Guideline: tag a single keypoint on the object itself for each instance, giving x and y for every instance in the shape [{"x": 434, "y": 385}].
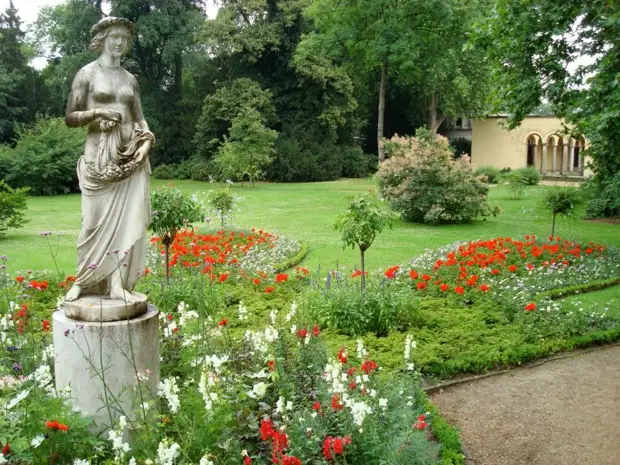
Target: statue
[{"x": 113, "y": 172}]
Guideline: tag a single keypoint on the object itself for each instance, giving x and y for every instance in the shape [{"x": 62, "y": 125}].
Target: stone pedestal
[{"x": 90, "y": 355}]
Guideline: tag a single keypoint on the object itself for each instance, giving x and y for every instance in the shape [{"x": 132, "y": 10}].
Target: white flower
[
  {"x": 258, "y": 391},
  {"x": 289, "y": 405},
  {"x": 383, "y": 403},
  {"x": 271, "y": 334},
  {"x": 409, "y": 344},
  {"x": 205, "y": 460},
  {"x": 81, "y": 462},
  {"x": 167, "y": 453},
  {"x": 37, "y": 440},
  {"x": 361, "y": 352},
  {"x": 132, "y": 461},
  {"x": 272, "y": 316},
  {"x": 17, "y": 399},
  {"x": 291, "y": 314},
  {"x": 170, "y": 391},
  {"x": 280, "y": 405},
  {"x": 359, "y": 410},
  {"x": 243, "y": 312}
]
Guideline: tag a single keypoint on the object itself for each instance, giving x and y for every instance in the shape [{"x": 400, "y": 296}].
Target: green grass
[
  {"x": 305, "y": 211},
  {"x": 599, "y": 300}
]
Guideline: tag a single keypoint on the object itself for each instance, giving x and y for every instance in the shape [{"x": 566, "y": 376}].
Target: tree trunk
[
  {"x": 434, "y": 119},
  {"x": 553, "y": 226},
  {"x": 167, "y": 260},
  {"x": 381, "y": 115},
  {"x": 363, "y": 280}
]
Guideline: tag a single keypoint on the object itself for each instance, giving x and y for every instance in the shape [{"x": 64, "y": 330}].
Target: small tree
[
  {"x": 172, "y": 210},
  {"x": 360, "y": 224},
  {"x": 12, "y": 207},
  {"x": 222, "y": 202},
  {"x": 517, "y": 184},
  {"x": 249, "y": 148},
  {"x": 561, "y": 201}
]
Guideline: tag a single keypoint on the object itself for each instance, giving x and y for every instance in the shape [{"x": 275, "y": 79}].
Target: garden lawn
[{"x": 306, "y": 212}]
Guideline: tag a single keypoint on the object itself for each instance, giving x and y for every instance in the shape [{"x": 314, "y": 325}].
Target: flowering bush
[
  {"x": 424, "y": 183},
  {"x": 271, "y": 394}
]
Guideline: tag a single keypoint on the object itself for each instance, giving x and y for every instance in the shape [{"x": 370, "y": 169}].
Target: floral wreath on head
[{"x": 110, "y": 21}]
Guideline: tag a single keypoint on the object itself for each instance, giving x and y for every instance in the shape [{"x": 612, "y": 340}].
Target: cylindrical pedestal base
[{"x": 101, "y": 362}]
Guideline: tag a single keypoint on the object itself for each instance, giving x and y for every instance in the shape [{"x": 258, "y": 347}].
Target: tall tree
[
  {"x": 568, "y": 54},
  {"x": 378, "y": 33},
  {"x": 14, "y": 74}
]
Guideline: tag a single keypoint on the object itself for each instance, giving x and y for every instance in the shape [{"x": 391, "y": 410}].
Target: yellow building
[{"x": 537, "y": 142}]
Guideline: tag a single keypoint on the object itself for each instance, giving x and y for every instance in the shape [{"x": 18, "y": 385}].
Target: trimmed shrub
[
  {"x": 424, "y": 183},
  {"x": 356, "y": 163},
  {"x": 606, "y": 204},
  {"x": 44, "y": 158},
  {"x": 561, "y": 201},
  {"x": 165, "y": 172},
  {"x": 517, "y": 184},
  {"x": 488, "y": 174},
  {"x": 529, "y": 176}
]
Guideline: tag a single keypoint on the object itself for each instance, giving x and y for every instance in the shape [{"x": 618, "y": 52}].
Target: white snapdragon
[
  {"x": 115, "y": 436},
  {"x": 361, "y": 351},
  {"x": 289, "y": 316},
  {"x": 243, "y": 312},
  {"x": 272, "y": 316},
  {"x": 170, "y": 391},
  {"x": 359, "y": 410},
  {"x": 205, "y": 460},
  {"x": 383, "y": 403},
  {"x": 81, "y": 462},
  {"x": 17, "y": 399},
  {"x": 409, "y": 344},
  {"x": 271, "y": 334},
  {"x": 258, "y": 391},
  {"x": 167, "y": 453},
  {"x": 37, "y": 440}
]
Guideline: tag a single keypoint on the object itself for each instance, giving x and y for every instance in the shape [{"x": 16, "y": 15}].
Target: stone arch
[{"x": 533, "y": 151}]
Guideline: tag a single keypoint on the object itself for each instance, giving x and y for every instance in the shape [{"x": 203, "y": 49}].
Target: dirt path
[{"x": 565, "y": 412}]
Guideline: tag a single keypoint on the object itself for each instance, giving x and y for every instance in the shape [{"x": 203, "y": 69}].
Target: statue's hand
[
  {"x": 109, "y": 115},
  {"x": 142, "y": 152}
]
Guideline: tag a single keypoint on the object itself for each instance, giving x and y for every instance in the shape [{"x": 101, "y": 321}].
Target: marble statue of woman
[{"x": 113, "y": 171}]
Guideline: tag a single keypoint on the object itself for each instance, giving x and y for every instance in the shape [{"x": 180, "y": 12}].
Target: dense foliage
[
  {"x": 424, "y": 183},
  {"x": 13, "y": 207},
  {"x": 561, "y": 201},
  {"x": 488, "y": 174},
  {"x": 44, "y": 158}
]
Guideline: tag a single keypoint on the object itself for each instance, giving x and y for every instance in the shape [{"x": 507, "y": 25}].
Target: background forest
[{"x": 303, "y": 90}]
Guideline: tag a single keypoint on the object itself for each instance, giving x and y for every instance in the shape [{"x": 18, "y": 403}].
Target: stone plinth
[
  {"x": 95, "y": 308},
  {"x": 87, "y": 354}
]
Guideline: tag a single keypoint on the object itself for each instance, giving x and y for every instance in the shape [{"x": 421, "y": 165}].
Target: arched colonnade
[{"x": 555, "y": 154}]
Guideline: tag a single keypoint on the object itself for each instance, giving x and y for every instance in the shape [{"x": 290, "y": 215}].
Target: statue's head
[{"x": 111, "y": 35}]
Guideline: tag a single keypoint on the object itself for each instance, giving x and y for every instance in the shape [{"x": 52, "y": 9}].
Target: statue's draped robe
[{"x": 114, "y": 180}]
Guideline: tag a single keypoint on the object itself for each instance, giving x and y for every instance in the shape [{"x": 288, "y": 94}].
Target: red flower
[
  {"x": 336, "y": 404},
  {"x": 421, "y": 285},
  {"x": 356, "y": 273},
  {"x": 223, "y": 277},
  {"x": 247, "y": 460},
  {"x": 426, "y": 277},
  {"x": 272, "y": 365},
  {"x": 352, "y": 385},
  {"x": 302, "y": 333},
  {"x": 530, "y": 307},
  {"x": 390, "y": 273},
  {"x": 53, "y": 424},
  {"x": 413, "y": 274},
  {"x": 368, "y": 366},
  {"x": 327, "y": 448},
  {"x": 484, "y": 288},
  {"x": 342, "y": 356},
  {"x": 316, "y": 407},
  {"x": 316, "y": 331},
  {"x": 444, "y": 287},
  {"x": 494, "y": 271},
  {"x": 45, "y": 326},
  {"x": 270, "y": 289},
  {"x": 351, "y": 371},
  {"x": 266, "y": 429},
  {"x": 512, "y": 268},
  {"x": 6, "y": 450},
  {"x": 281, "y": 277},
  {"x": 338, "y": 446},
  {"x": 290, "y": 460},
  {"x": 459, "y": 290},
  {"x": 256, "y": 281},
  {"x": 223, "y": 322},
  {"x": 169, "y": 317},
  {"x": 19, "y": 279}
]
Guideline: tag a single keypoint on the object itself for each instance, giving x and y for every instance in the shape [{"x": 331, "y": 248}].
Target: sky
[{"x": 28, "y": 9}]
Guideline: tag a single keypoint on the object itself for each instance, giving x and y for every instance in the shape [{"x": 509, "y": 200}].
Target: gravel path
[{"x": 565, "y": 412}]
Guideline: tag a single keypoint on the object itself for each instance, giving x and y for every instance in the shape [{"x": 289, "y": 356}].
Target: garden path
[{"x": 564, "y": 412}]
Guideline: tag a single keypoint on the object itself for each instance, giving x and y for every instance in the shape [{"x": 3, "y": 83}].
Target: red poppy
[
  {"x": 247, "y": 460},
  {"x": 169, "y": 317},
  {"x": 6, "y": 450},
  {"x": 426, "y": 277},
  {"x": 369, "y": 366},
  {"x": 223, "y": 322},
  {"x": 413, "y": 274},
  {"x": 444, "y": 287},
  {"x": 484, "y": 288},
  {"x": 530, "y": 307},
  {"x": 390, "y": 273},
  {"x": 495, "y": 272},
  {"x": 421, "y": 285},
  {"x": 223, "y": 277},
  {"x": 19, "y": 279},
  {"x": 316, "y": 406},
  {"x": 316, "y": 331},
  {"x": 459, "y": 290},
  {"x": 272, "y": 365},
  {"x": 512, "y": 268},
  {"x": 281, "y": 277},
  {"x": 356, "y": 273},
  {"x": 302, "y": 333},
  {"x": 256, "y": 281},
  {"x": 270, "y": 289},
  {"x": 45, "y": 326}
]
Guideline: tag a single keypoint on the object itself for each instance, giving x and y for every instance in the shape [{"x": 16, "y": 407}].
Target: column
[
  {"x": 571, "y": 158},
  {"x": 564, "y": 157},
  {"x": 543, "y": 162},
  {"x": 555, "y": 156}
]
